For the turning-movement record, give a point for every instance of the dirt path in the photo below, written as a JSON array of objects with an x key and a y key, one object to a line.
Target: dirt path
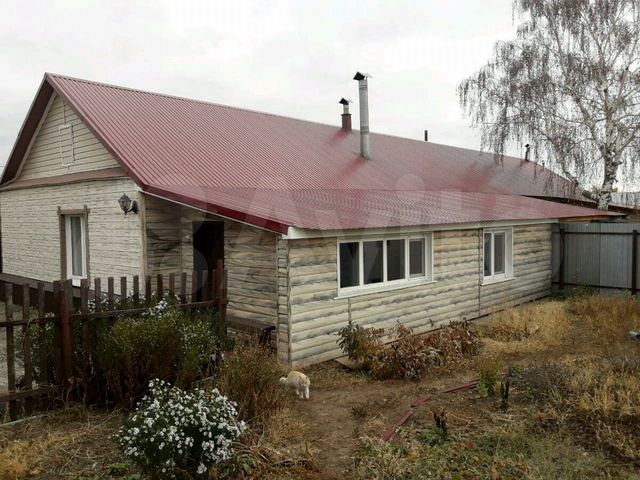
[{"x": 344, "y": 406}]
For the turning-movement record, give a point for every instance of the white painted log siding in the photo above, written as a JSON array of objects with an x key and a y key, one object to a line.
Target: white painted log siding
[
  {"x": 250, "y": 256},
  {"x": 315, "y": 314},
  {"x": 44, "y": 159},
  {"x": 31, "y": 229}
]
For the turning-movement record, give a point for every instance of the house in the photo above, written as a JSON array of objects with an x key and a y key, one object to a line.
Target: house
[{"x": 317, "y": 224}]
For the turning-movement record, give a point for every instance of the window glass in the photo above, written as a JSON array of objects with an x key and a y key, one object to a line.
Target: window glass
[
  {"x": 372, "y": 261},
  {"x": 395, "y": 259},
  {"x": 416, "y": 257},
  {"x": 77, "y": 260},
  {"x": 487, "y": 254},
  {"x": 498, "y": 250},
  {"x": 349, "y": 265}
]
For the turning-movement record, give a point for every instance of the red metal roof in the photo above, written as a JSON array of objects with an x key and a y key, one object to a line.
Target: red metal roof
[
  {"x": 342, "y": 209},
  {"x": 277, "y": 172}
]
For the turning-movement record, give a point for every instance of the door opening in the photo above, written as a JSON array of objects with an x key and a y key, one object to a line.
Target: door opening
[{"x": 208, "y": 248}]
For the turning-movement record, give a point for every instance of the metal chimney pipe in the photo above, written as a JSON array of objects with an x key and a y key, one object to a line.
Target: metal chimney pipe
[
  {"x": 426, "y": 135},
  {"x": 346, "y": 115},
  {"x": 364, "y": 113},
  {"x": 527, "y": 152}
]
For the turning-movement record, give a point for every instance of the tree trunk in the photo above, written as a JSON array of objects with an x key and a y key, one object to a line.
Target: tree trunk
[{"x": 604, "y": 195}]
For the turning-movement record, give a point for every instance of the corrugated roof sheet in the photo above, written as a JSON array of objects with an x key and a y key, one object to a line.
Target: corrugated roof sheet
[
  {"x": 279, "y": 172},
  {"x": 342, "y": 209}
]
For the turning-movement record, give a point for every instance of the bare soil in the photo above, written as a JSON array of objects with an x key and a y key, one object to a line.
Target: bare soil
[{"x": 342, "y": 409}]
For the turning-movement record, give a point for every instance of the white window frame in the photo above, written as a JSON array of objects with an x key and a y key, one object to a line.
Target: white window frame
[
  {"x": 407, "y": 281},
  {"x": 69, "y": 247},
  {"x": 508, "y": 256}
]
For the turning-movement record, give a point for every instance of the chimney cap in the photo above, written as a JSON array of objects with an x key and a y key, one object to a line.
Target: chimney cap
[
  {"x": 361, "y": 76},
  {"x": 344, "y": 101}
]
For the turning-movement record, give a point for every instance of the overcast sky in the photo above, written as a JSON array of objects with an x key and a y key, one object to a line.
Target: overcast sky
[{"x": 294, "y": 58}]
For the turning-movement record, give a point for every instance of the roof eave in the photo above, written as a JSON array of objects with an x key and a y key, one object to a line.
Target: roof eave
[
  {"x": 231, "y": 214},
  {"x": 27, "y": 130}
]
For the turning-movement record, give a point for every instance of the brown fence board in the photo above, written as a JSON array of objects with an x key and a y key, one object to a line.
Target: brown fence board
[
  {"x": 11, "y": 352},
  {"x": 26, "y": 345},
  {"x": 63, "y": 318}
]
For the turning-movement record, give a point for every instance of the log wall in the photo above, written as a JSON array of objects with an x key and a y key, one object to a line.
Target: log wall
[
  {"x": 250, "y": 256},
  {"x": 315, "y": 313}
]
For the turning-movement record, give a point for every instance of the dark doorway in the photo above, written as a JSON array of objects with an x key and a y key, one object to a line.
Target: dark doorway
[{"x": 208, "y": 248}]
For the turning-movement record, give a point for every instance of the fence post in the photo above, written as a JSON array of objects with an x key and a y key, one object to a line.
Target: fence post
[
  {"x": 64, "y": 297},
  {"x": 221, "y": 295},
  {"x": 634, "y": 262},
  {"x": 11, "y": 352},
  {"x": 26, "y": 346},
  {"x": 561, "y": 253}
]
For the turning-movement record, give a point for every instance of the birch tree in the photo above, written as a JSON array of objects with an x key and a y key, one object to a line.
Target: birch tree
[{"x": 569, "y": 85}]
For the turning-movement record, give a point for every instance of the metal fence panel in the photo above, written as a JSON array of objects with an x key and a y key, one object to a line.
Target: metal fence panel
[{"x": 598, "y": 255}]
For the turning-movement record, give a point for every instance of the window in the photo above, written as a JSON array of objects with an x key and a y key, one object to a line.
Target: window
[
  {"x": 497, "y": 253},
  {"x": 380, "y": 263},
  {"x": 350, "y": 264},
  {"x": 416, "y": 257},
  {"x": 76, "y": 247}
]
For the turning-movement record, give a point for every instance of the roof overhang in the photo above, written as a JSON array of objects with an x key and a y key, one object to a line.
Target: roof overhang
[{"x": 212, "y": 209}]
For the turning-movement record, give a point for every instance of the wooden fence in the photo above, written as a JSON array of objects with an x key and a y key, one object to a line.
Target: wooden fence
[
  {"x": 601, "y": 256},
  {"x": 77, "y": 315}
]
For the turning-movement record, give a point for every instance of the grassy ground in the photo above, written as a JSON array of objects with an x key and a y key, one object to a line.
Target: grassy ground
[{"x": 573, "y": 412}]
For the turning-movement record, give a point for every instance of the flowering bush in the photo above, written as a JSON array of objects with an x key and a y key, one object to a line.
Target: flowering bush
[{"x": 179, "y": 434}]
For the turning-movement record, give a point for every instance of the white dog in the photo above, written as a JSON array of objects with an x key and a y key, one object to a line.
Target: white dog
[{"x": 299, "y": 381}]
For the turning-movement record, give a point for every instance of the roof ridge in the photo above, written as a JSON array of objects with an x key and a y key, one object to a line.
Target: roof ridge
[
  {"x": 244, "y": 109},
  {"x": 191, "y": 100}
]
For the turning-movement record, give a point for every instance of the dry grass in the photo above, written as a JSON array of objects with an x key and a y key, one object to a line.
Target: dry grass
[
  {"x": 73, "y": 443},
  {"x": 528, "y": 329},
  {"x": 574, "y": 413}
]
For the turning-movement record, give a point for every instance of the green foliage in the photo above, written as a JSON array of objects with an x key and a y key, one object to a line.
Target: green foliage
[
  {"x": 434, "y": 436},
  {"x": 502, "y": 454},
  {"x": 118, "y": 469},
  {"x": 167, "y": 344},
  {"x": 250, "y": 377},
  {"x": 359, "y": 343},
  {"x": 490, "y": 371},
  {"x": 42, "y": 343}
]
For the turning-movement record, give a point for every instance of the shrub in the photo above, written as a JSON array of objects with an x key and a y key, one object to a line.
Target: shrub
[
  {"x": 42, "y": 343},
  {"x": 167, "y": 344},
  {"x": 179, "y": 434},
  {"x": 408, "y": 357},
  {"x": 359, "y": 343},
  {"x": 489, "y": 369},
  {"x": 411, "y": 355},
  {"x": 249, "y": 376}
]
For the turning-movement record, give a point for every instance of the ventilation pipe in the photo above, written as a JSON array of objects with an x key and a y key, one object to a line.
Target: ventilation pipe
[
  {"x": 346, "y": 116},
  {"x": 364, "y": 113},
  {"x": 426, "y": 135},
  {"x": 527, "y": 152}
]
